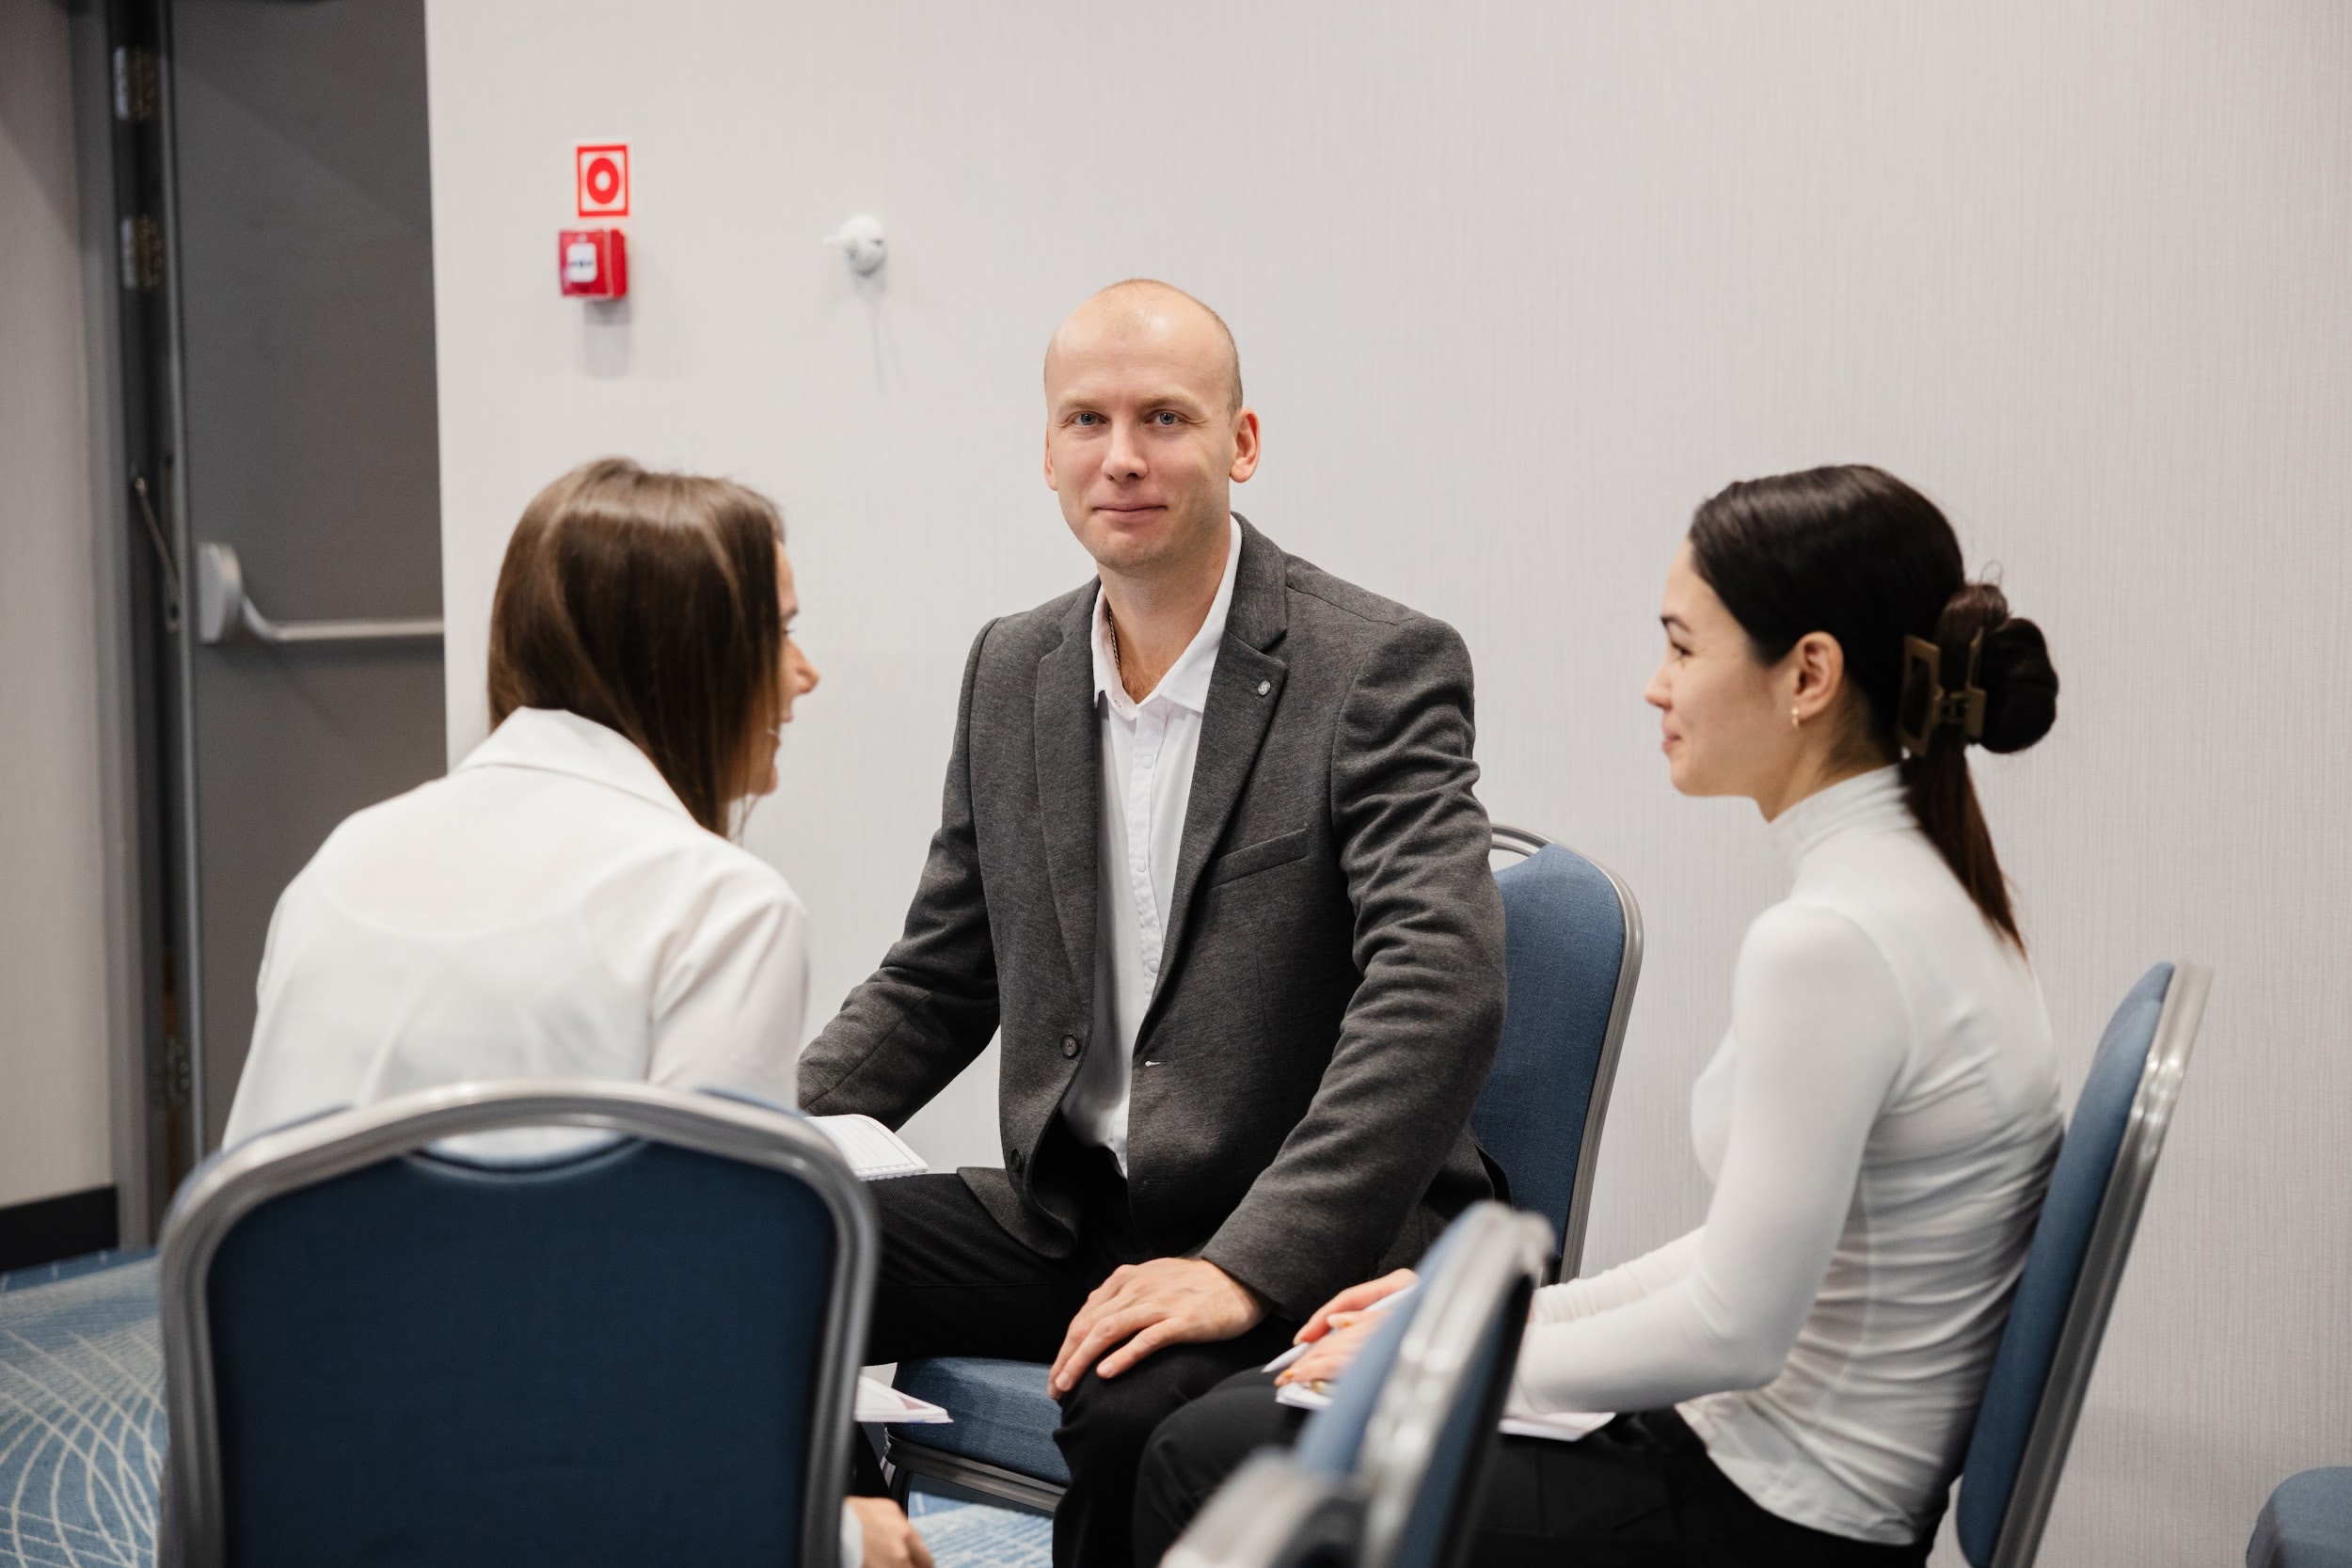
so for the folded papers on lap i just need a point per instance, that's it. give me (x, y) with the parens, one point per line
(881, 1403)
(874, 1152)
(1558, 1426)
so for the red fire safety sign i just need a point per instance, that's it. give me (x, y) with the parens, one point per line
(602, 176)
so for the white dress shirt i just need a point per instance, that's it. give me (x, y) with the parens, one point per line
(547, 910)
(1148, 748)
(1879, 1125)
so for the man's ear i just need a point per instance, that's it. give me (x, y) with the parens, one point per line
(1820, 671)
(1244, 446)
(1050, 482)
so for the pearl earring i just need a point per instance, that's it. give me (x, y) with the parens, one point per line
(1796, 720)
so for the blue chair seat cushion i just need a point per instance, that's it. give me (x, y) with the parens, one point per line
(2306, 1524)
(1003, 1414)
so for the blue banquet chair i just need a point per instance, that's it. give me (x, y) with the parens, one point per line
(2306, 1523)
(643, 1348)
(2074, 1267)
(1572, 946)
(1572, 955)
(1410, 1428)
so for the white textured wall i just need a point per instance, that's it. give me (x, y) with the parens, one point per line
(1515, 286)
(54, 1135)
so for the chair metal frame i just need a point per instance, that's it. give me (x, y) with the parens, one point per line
(1273, 1513)
(232, 1185)
(2044, 1461)
(1498, 1248)
(1520, 840)
(908, 1459)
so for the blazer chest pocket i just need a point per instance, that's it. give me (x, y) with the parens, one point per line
(1265, 855)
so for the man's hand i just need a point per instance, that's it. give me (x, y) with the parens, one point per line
(1141, 1307)
(890, 1540)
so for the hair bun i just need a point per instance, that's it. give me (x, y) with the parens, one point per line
(2013, 667)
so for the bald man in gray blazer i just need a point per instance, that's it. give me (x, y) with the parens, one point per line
(1211, 860)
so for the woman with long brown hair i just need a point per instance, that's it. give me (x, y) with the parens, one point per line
(569, 901)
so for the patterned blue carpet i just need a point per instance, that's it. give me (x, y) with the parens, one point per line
(968, 1535)
(82, 1429)
(81, 1414)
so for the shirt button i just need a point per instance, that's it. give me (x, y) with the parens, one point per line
(1069, 1045)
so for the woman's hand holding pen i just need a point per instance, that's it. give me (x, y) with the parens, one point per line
(1339, 1329)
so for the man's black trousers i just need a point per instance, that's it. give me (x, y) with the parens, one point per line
(953, 1282)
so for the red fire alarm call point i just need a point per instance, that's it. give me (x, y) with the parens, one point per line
(593, 262)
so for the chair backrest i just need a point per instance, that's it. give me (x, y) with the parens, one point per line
(2073, 1268)
(1573, 940)
(1414, 1421)
(1274, 1512)
(2306, 1523)
(377, 1352)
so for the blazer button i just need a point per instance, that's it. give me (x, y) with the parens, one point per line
(1012, 1160)
(1069, 1045)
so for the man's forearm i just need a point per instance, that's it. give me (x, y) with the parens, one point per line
(1325, 1214)
(892, 1046)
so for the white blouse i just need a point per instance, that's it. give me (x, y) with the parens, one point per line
(1878, 1126)
(547, 910)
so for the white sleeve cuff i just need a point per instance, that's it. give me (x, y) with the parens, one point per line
(852, 1538)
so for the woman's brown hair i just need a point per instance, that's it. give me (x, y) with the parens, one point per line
(1855, 552)
(647, 603)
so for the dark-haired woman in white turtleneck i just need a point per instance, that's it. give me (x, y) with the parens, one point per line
(1800, 1373)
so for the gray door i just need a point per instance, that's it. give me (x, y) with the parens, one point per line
(305, 277)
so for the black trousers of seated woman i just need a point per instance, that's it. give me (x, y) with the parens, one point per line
(1640, 1491)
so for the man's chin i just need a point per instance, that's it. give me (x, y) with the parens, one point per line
(1134, 542)
(1128, 546)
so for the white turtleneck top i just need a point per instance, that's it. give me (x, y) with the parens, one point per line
(1878, 1126)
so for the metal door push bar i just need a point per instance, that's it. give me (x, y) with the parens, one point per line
(225, 614)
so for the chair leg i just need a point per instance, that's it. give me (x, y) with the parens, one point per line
(976, 1479)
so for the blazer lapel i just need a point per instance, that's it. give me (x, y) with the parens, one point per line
(1244, 690)
(1069, 787)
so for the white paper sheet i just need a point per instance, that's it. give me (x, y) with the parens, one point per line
(873, 1151)
(879, 1401)
(1559, 1426)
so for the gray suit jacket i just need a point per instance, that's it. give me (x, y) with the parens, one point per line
(1332, 991)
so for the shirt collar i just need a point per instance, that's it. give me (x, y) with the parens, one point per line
(556, 741)
(1186, 683)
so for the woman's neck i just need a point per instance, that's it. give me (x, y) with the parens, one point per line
(1812, 776)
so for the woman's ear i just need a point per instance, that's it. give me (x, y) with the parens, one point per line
(1820, 667)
